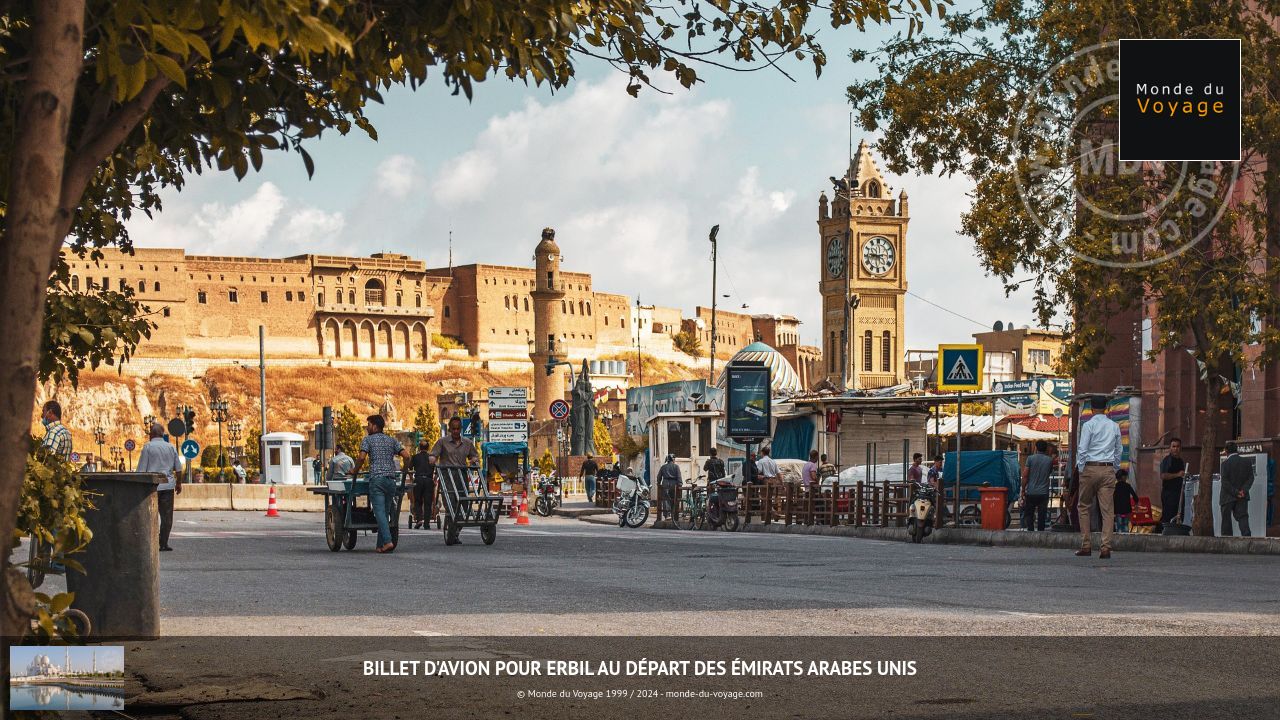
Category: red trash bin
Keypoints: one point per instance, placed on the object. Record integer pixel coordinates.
(993, 505)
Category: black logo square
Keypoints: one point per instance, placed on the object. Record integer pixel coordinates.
(1180, 100)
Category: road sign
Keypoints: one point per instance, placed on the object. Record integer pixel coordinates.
(509, 426)
(501, 414)
(75, 457)
(177, 427)
(511, 437)
(509, 393)
(508, 403)
(559, 409)
(960, 367)
(130, 445)
(560, 435)
(190, 449)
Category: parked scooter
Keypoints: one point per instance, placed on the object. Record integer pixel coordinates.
(632, 505)
(920, 515)
(722, 505)
(548, 496)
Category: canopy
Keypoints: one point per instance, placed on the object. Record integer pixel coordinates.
(504, 448)
(981, 425)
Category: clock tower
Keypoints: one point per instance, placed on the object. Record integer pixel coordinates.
(863, 233)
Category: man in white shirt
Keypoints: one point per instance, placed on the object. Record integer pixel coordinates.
(158, 456)
(1098, 451)
(767, 467)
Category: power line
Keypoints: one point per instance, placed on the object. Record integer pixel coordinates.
(944, 309)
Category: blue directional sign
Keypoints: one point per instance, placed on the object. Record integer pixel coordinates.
(960, 367)
(190, 449)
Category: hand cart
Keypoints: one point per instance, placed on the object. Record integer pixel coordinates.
(467, 503)
(345, 516)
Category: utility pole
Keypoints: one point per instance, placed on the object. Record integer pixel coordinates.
(635, 325)
(262, 401)
(715, 230)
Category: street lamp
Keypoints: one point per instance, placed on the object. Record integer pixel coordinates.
(147, 422)
(234, 433)
(117, 456)
(219, 410)
(100, 435)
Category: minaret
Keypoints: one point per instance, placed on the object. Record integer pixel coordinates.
(548, 340)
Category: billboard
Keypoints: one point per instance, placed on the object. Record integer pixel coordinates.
(1043, 396)
(748, 405)
(677, 396)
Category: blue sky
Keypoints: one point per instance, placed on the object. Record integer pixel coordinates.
(631, 186)
(109, 657)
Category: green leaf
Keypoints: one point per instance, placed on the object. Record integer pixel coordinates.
(172, 40)
(307, 161)
(170, 68)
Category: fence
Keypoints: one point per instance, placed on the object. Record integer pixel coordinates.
(883, 504)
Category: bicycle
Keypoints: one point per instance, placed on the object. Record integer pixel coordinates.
(693, 507)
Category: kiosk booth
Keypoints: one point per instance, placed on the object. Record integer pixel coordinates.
(284, 458)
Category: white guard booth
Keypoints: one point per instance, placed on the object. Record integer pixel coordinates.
(284, 458)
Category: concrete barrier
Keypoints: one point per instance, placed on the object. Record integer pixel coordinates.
(225, 496)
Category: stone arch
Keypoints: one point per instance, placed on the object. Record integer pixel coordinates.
(368, 339)
(374, 292)
(351, 297)
(872, 189)
(351, 335)
(386, 340)
(402, 342)
(420, 344)
(332, 338)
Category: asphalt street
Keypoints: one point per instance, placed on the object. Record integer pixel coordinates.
(238, 574)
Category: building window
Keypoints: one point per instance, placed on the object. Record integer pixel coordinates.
(588, 309)
(1038, 357)
(446, 311)
(106, 283)
(417, 301)
(564, 307)
(526, 304)
(288, 296)
(75, 283)
(550, 282)
(580, 308)
(373, 294)
(202, 298)
(866, 352)
(351, 297)
(506, 302)
(398, 296)
(571, 309)
(301, 296)
(886, 353)
(233, 296)
(320, 298)
(166, 312)
(142, 286)
(551, 343)
(262, 296)
(155, 286)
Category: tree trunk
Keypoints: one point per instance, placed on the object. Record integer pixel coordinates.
(31, 242)
(1202, 524)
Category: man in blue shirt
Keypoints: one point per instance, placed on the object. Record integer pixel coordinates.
(1098, 451)
(381, 450)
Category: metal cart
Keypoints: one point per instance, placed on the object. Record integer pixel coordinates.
(467, 503)
(345, 516)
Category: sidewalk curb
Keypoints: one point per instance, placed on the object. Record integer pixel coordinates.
(581, 512)
(1121, 542)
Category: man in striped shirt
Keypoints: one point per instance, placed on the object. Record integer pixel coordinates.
(57, 437)
(381, 450)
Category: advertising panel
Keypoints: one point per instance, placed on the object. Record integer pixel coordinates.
(748, 407)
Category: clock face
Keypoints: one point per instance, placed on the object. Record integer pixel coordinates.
(877, 255)
(835, 257)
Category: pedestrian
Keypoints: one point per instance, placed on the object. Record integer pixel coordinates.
(158, 456)
(825, 469)
(915, 473)
(424, 488)
(809, 474)
(1035, 488)
(768, 467)
(453, 449)
(57, 438)
(669, 479)
(935, 474)
(713, 467)
(750, 471)
(238, 469)
(1125, 500)
(1173, 473)
(1097, 458)
(1233, 494)
(381, 450)
(589, 472)
(340, 465)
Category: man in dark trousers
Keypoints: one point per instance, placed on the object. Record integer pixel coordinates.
(590, 469)
(424, 486)
(1237, 479)
(1173, 470)
(669, 480)
(713, 467)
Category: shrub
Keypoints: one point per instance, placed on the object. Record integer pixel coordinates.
(688, 343)
(446, 342)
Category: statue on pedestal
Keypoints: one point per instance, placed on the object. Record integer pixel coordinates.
(582, 415)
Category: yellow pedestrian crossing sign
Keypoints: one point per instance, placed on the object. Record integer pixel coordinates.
(960, 367)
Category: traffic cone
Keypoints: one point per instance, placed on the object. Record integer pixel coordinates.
(514, 512)
(271, 503)
(524, 510)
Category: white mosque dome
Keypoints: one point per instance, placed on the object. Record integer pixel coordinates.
(785, 381)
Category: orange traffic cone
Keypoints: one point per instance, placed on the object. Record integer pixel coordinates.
(514, 512)
(524, 510)
(271, 503)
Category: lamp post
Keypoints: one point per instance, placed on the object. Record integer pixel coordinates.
(117, 456)
(100, 435)
(635, 325)
(234, 433)
(147, 422)
(219, 410)
(715, 230)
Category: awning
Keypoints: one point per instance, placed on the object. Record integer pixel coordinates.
(981, 425)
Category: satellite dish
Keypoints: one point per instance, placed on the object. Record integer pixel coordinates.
(998, 326)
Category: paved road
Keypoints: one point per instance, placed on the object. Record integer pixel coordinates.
(243, 574)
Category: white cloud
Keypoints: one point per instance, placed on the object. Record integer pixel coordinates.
(396, 176)
(263, 223)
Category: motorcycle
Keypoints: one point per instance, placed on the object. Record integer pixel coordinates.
(632, 505)
(722, 505)
(920, 515)
(548, 496)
